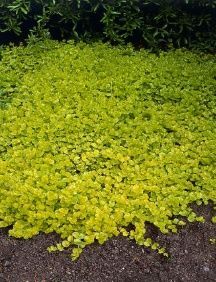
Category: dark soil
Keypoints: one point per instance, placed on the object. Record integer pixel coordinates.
(192, 258)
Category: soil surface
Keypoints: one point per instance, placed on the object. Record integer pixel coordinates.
(192, 258)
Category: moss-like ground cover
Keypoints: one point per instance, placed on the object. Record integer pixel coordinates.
(96, 138)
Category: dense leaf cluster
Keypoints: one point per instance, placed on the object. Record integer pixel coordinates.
(98, 138)
(153, 24)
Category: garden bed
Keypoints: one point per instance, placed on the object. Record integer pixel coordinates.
(99, 143)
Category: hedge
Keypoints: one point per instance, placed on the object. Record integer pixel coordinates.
(155, 24)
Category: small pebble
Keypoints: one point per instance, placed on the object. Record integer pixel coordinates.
(186, 251)
(205, 268)
(7, 263)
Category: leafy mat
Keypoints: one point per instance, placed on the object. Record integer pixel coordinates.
(94, 138)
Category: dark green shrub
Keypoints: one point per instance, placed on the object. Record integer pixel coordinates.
(61, 18)
(160, 24)
(153, 24)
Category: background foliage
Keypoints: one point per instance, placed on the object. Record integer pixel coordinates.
(150, 23)
(96, 138)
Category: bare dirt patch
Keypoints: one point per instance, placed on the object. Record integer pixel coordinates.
(193, 258)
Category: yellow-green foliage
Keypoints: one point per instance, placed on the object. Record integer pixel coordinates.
(96, 138)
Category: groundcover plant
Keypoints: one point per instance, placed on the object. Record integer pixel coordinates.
(95, 138)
